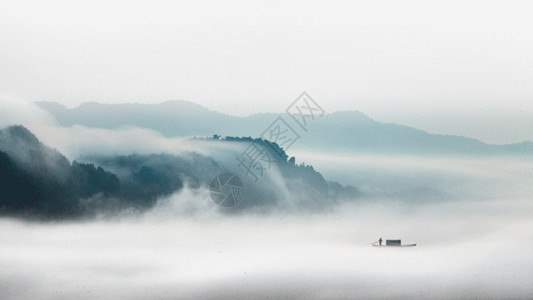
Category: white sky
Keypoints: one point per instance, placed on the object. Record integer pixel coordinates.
(452, 67)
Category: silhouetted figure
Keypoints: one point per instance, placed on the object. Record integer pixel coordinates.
(380, 240)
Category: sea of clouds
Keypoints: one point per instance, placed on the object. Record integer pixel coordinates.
(470, 216)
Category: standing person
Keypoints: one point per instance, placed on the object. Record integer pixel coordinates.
(380, 240)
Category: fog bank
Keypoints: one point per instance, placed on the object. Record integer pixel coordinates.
(464, 251)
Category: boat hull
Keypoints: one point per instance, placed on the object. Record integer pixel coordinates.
(395, 246)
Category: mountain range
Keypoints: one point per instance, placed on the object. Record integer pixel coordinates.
(37, 181)
(347, 131)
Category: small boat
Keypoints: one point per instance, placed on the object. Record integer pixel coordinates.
(392, 243)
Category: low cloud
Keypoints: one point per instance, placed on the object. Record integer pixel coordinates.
(187, 247)
(19, 111)
(78, 141)
(474, 242)
(466, 250)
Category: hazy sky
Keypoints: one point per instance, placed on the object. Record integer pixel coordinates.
(453, 67)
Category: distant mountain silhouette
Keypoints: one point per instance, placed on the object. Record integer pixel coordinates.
(339, 131)
(39, 182)
(172, 118)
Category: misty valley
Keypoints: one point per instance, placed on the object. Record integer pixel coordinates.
(127, 212)
(244, 149)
